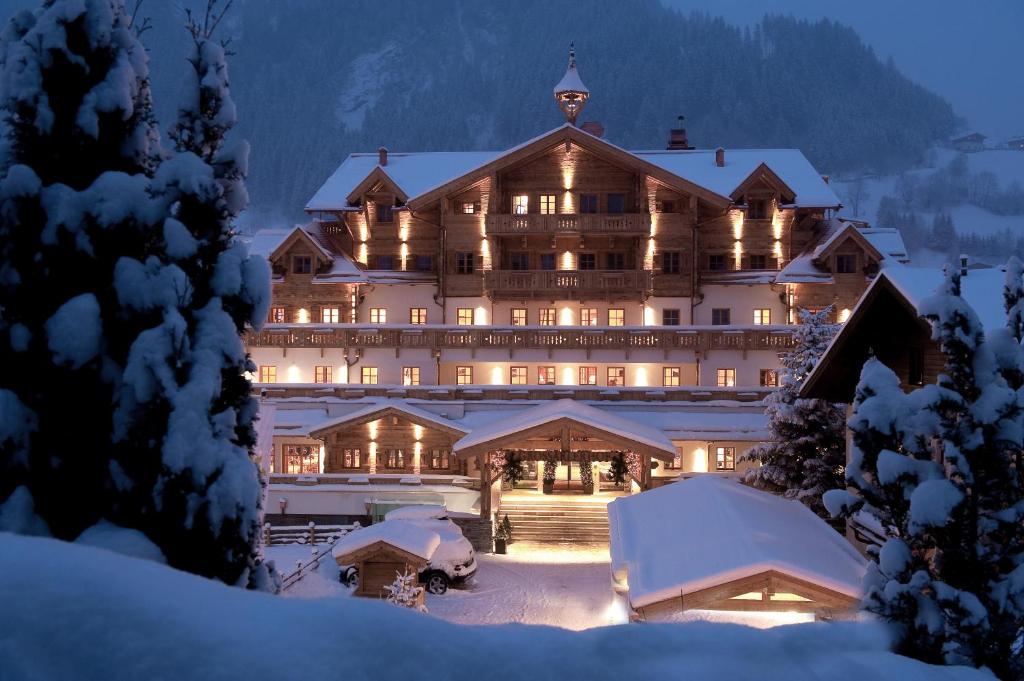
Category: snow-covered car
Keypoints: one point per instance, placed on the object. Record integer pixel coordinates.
(452, 563)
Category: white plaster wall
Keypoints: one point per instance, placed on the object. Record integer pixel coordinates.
(747, 369)
(654, 307)
(698, 456)
(298, 364)
(334, 499)
(742, 300)
(398, 299)
(637, 374)
(499, 313)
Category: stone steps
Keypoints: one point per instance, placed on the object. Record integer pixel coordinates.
(549, 520)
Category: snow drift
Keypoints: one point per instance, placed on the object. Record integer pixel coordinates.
(73, 611)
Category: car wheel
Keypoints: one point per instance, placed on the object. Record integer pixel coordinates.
(350, 577)
(437, 583)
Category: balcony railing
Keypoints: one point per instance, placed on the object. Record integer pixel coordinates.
(586, 223)
(567, 284)
(696, 338)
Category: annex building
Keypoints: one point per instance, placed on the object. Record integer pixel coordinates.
(567, 301)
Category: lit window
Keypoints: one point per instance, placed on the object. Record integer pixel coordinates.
(393, 458)
(268, 373)
(547, 316)
(726, 378)
(721, 316)
(671, 377)
(762, 315)
(464, 263)
(588, 203)
(378, 315)
(844, 315)
(675, 463)
(464, 316)
(587, 261)
(616, 317)
(464, 375)
(351, 458)
(277, 315)
(330, 315)
(301, 459)
(519, 316)
(517, 376)
(670, 317)
(417, 315)
(468, 207)
(302, 264)
(410, 375)
(725, 459)
(439, 459)
(616, 377)
(322, 374)
(545, 375)
(520, 204)
(846, 264)
(671, 262)
(588, 316)
(769, 378)
(547, 204)
(385, 213)
(588, 375)
(369, 375)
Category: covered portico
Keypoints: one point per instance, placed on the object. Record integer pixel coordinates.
(563, 431)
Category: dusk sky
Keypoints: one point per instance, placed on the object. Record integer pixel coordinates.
(970, 53)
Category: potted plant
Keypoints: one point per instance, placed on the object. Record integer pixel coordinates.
(587, 476)
(548, 481)
(502, 534)
(513, 470)
(619, 470)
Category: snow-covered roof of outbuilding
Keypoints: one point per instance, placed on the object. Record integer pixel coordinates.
(722, 531)
(981, 288)
(409, 537)
(574, 411)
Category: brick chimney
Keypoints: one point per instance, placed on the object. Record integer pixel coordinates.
(593, 127)
(677, 137)
(720, 157)
(382, 156)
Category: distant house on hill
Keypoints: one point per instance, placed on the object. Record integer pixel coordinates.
(968, 143)
(1015, 143)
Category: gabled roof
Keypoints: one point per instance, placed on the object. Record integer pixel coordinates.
(418, 175)
(844, 233)
(886, 245)
(272, 243)
(763, 173)
(385, 408)
(722, 531)
(410, 538)
(611, 425)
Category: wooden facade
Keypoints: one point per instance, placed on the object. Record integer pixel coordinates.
(379, 564)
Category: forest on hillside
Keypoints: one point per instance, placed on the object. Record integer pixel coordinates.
(315, 80)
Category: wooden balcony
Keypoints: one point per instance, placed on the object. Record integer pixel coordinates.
(702, 339)
(587, 223)
(568, 284)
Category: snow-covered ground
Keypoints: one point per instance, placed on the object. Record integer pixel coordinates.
(562, 586)
(74, 611)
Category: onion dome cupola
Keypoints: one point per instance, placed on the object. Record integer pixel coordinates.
(570, 93)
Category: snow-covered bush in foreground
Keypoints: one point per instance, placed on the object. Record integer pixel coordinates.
(941, 470)
(72, 611)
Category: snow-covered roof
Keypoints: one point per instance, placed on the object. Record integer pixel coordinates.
(571, 81)
(417, 173)
(418, 512)
(888, 241)
(389, 403)
(792, 167)
(297, 421)
(411, 538)
(567, 409)
(981, 288)
(722, 531)
(802, 270)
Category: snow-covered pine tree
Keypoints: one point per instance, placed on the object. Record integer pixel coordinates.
(404, 591)
(185, 391)
(79, 144)
(942, 471)
(805, 454)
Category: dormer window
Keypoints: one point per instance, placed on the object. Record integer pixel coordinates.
(385, 213)
(468, 207)
(757, 209)
(846, 263)
(302, 264)
(521, 204)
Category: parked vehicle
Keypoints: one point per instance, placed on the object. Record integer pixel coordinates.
(454, 560)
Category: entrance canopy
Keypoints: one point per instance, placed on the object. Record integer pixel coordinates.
(566, 425)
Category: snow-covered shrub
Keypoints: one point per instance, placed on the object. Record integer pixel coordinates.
(405, 592)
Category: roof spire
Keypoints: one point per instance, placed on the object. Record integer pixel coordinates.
(570, 93)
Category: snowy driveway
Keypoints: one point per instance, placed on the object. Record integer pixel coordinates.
(562, 586)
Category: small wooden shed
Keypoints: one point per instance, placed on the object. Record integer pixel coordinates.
(382, 551)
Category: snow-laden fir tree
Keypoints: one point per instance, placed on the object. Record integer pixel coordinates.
(185, 392)
(805, 453)
(404, 591)
(941, 471)
(79, 146)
